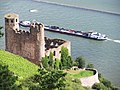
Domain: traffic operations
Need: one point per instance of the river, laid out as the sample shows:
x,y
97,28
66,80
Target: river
x,y
99,15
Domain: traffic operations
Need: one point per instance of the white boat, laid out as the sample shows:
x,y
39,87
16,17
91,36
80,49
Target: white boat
x,y
33,10
25,23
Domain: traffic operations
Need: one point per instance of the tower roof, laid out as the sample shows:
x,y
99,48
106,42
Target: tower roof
x,y
11,16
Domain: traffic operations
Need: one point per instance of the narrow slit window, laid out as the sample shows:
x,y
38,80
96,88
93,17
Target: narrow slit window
x,y
54,53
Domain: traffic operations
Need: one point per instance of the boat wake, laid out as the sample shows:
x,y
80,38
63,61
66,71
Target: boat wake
x,y
116,41
78,7
33,10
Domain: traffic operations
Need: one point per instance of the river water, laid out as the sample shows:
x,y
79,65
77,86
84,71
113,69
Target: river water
x,y
78,15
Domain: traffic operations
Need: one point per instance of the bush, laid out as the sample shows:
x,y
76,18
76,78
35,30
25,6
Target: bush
x,y
1,34
80,62
90,66
106,83
7,79
99,86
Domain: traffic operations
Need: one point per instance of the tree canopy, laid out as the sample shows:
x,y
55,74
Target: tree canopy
x,y
80,62
66,60
7,79
48,80
1,34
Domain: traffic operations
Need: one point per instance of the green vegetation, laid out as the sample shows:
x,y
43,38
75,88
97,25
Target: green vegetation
x,y
104,84
50,77
51,61
79,74
65,62
80,62
74,84
9,82
90,65
47,80
1,34
20,66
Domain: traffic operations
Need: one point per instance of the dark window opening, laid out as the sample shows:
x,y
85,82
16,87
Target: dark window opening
x,y
7,20
55,59
16,20
54,53
59,51
12,21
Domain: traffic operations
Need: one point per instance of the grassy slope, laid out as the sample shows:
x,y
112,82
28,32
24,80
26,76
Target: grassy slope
x,y
79,74
20,66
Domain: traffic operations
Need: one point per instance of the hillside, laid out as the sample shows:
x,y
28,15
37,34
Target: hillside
x,y
20,66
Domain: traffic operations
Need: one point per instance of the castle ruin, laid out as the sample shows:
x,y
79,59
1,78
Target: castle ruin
x,y
31,44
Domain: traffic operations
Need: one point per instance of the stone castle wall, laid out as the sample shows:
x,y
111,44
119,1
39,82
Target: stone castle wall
x,y
28,44
57,51
89,81
25,44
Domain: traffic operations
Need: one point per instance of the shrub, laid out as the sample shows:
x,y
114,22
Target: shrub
x,y
80,62
90,66
99,86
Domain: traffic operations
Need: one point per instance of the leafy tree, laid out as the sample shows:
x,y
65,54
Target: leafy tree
x,y
106,83
57,64
73,84
99,86
80,62
51,61
48,80
66,60
45,61
90,66
69,62
7,79
60,65
64,56
1,34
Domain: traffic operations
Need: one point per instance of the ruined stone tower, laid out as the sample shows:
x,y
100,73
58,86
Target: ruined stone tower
x,y
29,44
11,22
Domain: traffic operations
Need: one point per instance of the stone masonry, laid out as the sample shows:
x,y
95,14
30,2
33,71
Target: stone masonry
x,y
31,44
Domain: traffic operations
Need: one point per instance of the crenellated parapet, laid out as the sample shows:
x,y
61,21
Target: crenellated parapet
x,y
30,44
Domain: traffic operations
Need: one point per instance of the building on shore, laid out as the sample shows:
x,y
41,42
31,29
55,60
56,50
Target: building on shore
x,y
31,44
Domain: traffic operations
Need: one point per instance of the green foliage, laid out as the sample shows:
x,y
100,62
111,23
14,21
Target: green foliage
x,y
115,88
48,80
99,86
64,56
1,34
80,74
106,83
7,79
69,62
73,84
51,62
66,60
90,66
80,62
48,62
57,64
45,61
20,66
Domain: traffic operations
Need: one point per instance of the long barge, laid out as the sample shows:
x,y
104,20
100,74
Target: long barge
x,y
89,35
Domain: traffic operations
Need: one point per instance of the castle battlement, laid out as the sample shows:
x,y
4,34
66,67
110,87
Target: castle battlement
x,y
31,44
